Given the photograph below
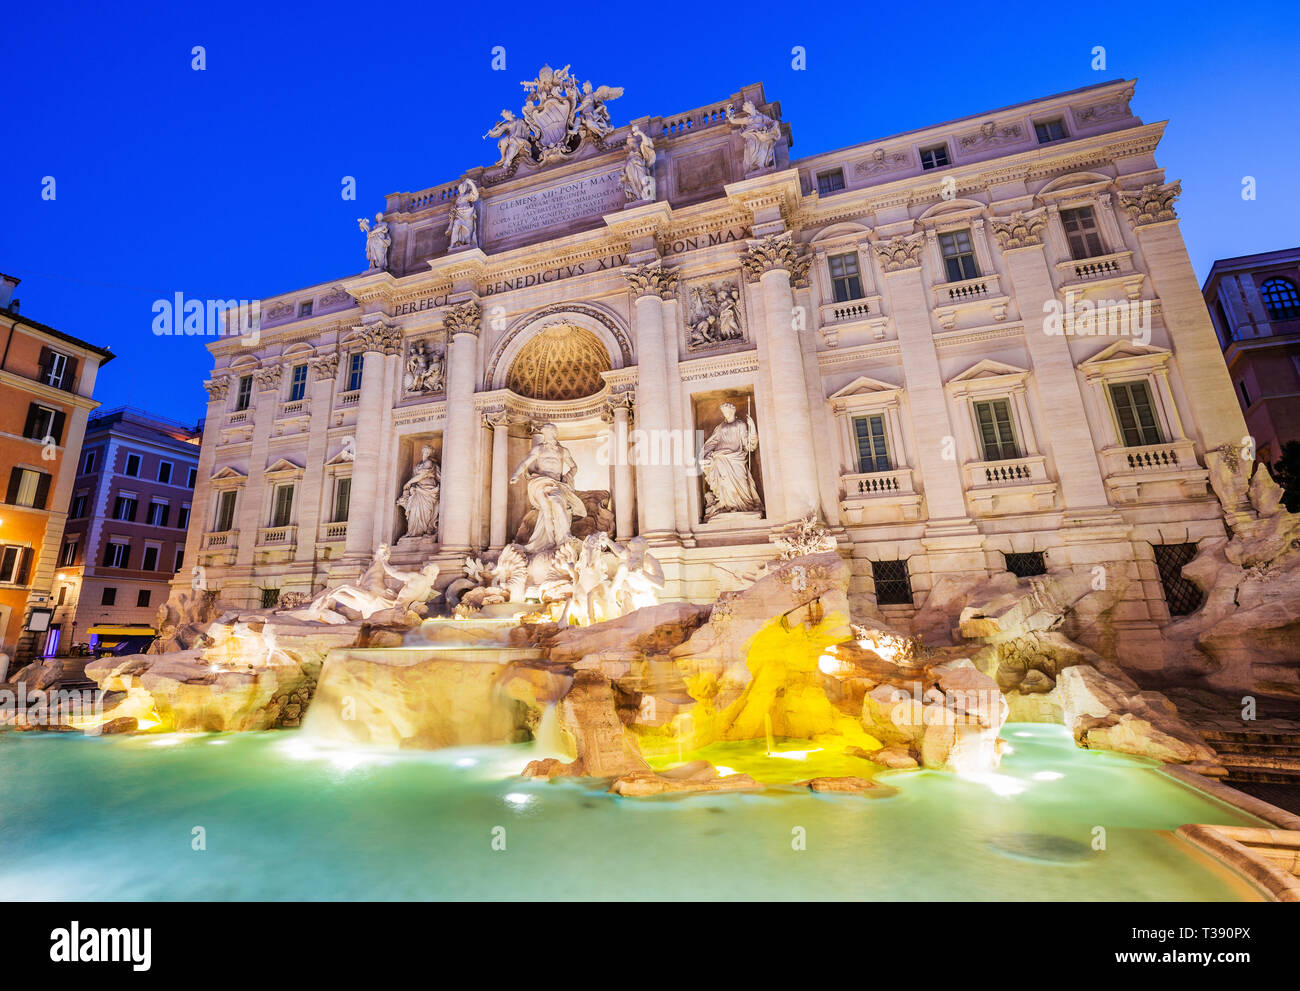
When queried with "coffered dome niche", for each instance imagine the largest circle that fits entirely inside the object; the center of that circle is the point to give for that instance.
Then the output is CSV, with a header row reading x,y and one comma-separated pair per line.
x,y
561,362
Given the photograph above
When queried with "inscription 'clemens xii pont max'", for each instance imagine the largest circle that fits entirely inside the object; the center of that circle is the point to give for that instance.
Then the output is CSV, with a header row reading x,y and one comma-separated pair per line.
x,y
551,207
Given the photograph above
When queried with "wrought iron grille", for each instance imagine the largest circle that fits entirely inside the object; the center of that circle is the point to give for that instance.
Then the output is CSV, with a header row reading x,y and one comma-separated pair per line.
x,y
1181,596
893,585
1029,563
270,598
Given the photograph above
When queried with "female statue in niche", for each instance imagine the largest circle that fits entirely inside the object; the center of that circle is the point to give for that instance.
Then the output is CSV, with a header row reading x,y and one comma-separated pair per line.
x,y
420,496
724,460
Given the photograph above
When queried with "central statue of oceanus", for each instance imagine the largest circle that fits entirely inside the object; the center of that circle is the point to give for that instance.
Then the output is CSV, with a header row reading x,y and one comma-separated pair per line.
x,y
548,471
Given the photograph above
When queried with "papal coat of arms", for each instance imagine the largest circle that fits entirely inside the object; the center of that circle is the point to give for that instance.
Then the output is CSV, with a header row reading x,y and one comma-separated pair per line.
x,y
557,116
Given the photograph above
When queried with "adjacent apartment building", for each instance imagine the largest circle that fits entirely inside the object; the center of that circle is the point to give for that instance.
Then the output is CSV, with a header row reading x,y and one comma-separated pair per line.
x,y
1255,303
127,519
46,381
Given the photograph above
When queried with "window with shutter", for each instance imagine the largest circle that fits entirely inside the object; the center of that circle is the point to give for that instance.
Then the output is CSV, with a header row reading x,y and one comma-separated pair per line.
x,y
1134,413
998,440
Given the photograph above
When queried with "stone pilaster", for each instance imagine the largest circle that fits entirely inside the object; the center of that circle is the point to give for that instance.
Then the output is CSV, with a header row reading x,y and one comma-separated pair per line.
x,y
1195,345
462,324
649,285
314,499
1073,448
266,391
624,516
909,305
378,339
500,424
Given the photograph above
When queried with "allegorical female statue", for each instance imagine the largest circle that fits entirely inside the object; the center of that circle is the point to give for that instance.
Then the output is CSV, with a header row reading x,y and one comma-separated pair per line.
x,y
420,496
377,241
760,134
638,179
549,469
724,459
462,229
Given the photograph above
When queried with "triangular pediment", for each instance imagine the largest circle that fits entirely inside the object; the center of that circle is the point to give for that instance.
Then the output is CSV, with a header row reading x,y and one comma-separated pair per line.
x,y
345,456
986,369
864,385
1126,347
227,473
282,464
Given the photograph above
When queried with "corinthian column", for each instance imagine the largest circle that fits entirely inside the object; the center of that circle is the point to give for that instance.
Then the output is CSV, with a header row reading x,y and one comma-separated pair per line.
x,y
621,409
315,494
377,339
1195,345
500,424
774,262
650,284
462,324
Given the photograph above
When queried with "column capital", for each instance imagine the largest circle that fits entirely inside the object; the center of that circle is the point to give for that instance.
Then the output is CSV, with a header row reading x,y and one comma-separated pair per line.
x,y
218,388
378,336
462,318
1019,230
324,366
777,251
655,279
899,253
268,378
1152,204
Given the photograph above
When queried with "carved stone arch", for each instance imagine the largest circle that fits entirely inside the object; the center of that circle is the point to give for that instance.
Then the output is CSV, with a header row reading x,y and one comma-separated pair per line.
x,y
944,209
1063,185
607,328
835,232
300,350
244,364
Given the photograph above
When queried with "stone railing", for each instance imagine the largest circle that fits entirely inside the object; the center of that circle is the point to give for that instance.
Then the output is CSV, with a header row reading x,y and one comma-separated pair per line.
x,y
349,398
879,497
877,483
218,539
332,532
295,407
967,290
239,416
1097,267
1013,485
849,310
277,536
693,120
1154,471
1012,471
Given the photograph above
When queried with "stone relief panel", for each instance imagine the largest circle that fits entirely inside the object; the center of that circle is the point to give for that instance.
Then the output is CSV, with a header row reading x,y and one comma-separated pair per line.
x,y
702,173
425,368
714,315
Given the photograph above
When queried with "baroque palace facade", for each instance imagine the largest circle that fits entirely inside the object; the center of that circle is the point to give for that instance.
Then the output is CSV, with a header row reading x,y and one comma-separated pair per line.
x,y
873,328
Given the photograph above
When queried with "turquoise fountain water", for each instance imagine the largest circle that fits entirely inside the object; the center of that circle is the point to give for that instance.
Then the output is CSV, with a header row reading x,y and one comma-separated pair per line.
x,y
284,818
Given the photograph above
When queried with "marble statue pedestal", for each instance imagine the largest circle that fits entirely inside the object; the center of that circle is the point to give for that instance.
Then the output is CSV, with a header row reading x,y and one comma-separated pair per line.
x,y
735,527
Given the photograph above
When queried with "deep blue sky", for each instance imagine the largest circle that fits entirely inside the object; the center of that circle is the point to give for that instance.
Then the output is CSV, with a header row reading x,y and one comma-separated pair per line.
x,y
225,183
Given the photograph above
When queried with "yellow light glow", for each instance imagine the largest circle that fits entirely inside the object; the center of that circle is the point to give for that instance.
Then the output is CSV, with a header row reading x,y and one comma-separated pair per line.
x,y
724,771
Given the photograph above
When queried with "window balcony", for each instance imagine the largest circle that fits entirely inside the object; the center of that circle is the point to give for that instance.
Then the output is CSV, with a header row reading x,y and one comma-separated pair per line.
x,y
215,540
295,407
879,497
1010,486
983,292
1154,472
239,416
333,533
277,536
850,310
349,398
1102,275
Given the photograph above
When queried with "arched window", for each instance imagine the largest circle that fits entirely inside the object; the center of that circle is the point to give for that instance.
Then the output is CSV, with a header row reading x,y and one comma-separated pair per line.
x,y
1280,299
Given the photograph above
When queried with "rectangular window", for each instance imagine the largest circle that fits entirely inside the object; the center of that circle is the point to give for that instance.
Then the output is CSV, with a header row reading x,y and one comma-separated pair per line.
x,y
270,598
133,465
244,395
997,439
183,518
180,558
68,556
1181,595
109,596
846,281
124,508
283,508
1245,393
28,487
225,511
1133,410
191,477
14,565
1081,231
78,508
1026,564
342,498
355,366
934,158
116,554
88,462
873,455
150,561
165,472
958,256
1050,130
304,309
158,512
57,369
893,584
298,384
830,181
63,594
43,424
142,598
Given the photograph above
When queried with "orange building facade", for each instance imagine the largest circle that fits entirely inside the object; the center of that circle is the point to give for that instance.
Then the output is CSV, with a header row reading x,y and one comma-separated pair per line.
x,y
46,381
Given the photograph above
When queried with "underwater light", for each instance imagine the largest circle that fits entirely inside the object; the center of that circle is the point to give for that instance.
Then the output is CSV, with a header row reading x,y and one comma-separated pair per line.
x,y
724,771
516,798
794,754
1047,775
466,762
